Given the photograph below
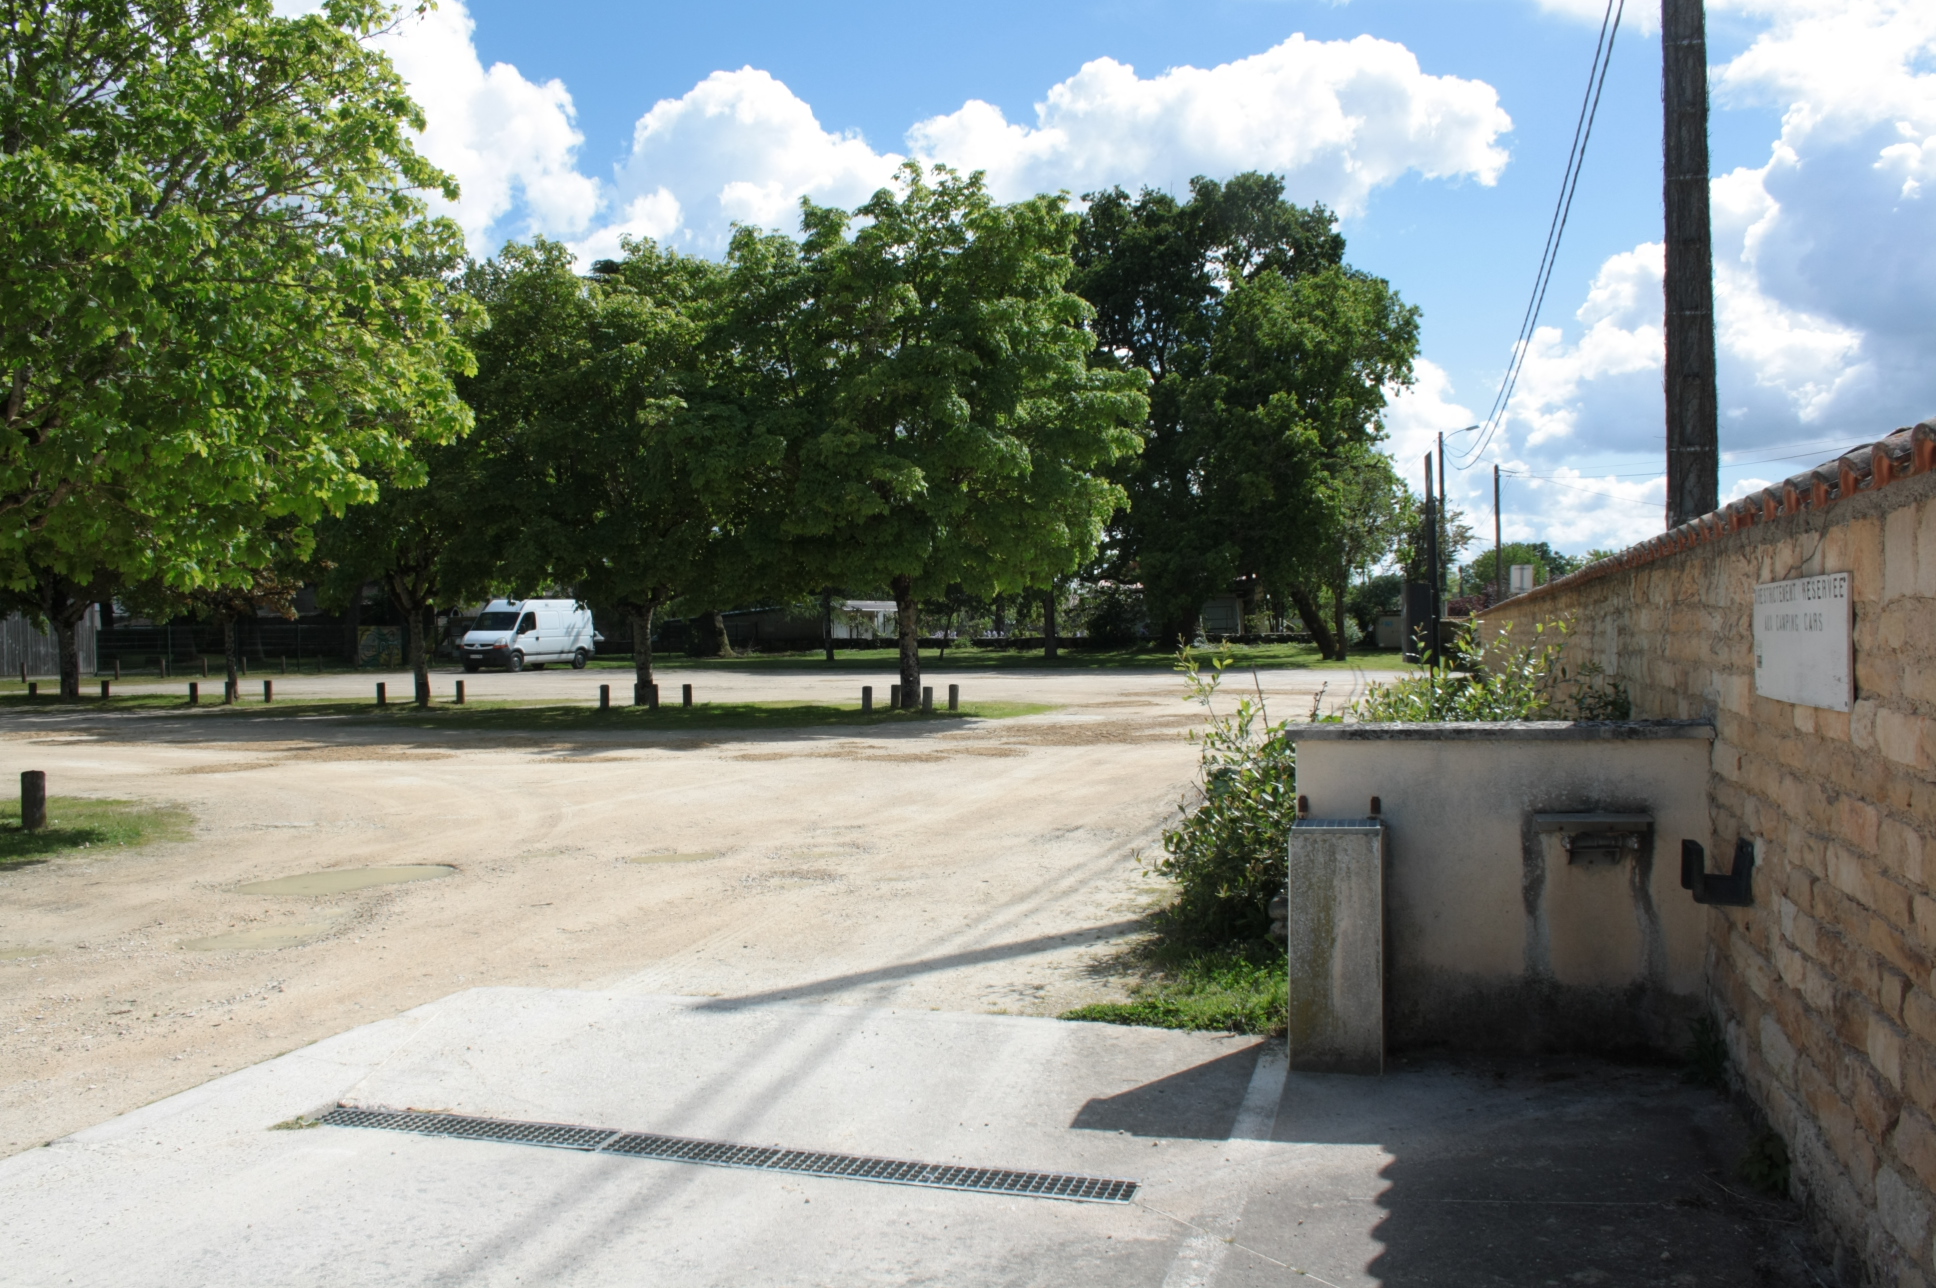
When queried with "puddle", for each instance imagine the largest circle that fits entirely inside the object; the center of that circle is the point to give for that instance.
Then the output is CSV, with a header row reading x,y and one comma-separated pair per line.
x,y
674,858
343,880
263,937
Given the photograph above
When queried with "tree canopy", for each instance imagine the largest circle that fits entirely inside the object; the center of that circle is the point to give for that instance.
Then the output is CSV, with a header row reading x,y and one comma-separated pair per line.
x,y
203,325
1271,360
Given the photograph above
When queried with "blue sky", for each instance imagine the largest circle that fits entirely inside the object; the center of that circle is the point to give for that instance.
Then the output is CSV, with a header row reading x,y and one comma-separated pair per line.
x,y
1438,128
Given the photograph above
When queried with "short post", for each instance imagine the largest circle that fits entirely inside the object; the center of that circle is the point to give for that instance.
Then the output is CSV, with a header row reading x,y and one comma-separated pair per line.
x,y
33,799
33,688
423,692
382,694
285,664
866,699
652,698
105,694
117,668
204,666
893,697
954,697
685,695
638,693
604,697
460,693
228,691
23,672
194,694
268,690
927,698
164,666
243,663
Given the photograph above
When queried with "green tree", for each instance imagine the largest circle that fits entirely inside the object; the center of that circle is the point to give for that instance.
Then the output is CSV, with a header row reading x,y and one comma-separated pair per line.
x,y
202,329
945,427
1547,563
1271,360
1365,511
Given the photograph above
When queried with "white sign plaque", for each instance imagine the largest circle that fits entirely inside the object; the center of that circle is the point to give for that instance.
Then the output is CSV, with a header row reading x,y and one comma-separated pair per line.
x,y
1803,642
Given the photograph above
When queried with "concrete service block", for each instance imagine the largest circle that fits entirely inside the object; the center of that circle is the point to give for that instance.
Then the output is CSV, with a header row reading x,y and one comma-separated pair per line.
x,y
1337,946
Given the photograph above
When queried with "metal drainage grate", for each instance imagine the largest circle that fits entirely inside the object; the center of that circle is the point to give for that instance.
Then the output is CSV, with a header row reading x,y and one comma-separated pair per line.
x,y
678,1149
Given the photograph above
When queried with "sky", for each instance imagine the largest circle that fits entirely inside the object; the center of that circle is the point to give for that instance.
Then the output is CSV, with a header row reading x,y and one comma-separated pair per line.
x,y
1437,130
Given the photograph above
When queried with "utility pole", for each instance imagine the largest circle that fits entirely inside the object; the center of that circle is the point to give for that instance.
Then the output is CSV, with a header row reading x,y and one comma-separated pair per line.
x,y
1432,560
1445,531
1498,547
1693,448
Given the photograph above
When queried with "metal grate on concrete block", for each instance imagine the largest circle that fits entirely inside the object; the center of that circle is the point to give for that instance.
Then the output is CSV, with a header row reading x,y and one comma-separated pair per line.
x,y
712,1153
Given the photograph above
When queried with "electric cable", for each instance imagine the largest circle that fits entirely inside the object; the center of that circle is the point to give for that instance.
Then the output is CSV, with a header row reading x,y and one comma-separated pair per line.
x,y
1596,80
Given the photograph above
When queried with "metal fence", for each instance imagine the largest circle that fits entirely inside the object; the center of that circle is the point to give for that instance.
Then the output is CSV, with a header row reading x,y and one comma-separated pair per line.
x,y
144,646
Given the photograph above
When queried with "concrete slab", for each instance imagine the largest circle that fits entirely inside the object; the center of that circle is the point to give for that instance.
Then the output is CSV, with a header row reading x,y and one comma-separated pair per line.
x,y
1426,1176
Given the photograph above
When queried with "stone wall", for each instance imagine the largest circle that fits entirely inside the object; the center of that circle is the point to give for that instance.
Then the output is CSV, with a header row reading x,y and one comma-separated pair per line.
x,y
1824,987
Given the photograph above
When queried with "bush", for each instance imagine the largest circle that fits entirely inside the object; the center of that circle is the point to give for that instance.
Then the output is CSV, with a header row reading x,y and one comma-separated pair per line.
x,y
1227,852
1234,991
1115,616
1506,681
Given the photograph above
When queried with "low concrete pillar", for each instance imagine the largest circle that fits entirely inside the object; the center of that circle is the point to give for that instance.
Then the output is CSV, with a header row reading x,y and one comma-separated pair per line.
x,y
1336,928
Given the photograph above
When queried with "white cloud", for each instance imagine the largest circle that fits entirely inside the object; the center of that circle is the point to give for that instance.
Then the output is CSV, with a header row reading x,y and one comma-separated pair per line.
x,y
741,147
507,141
1337,118
1642,16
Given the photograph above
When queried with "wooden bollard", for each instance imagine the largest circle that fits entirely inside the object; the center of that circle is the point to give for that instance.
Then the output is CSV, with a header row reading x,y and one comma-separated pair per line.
x,y
866,699
422,689
954,697
652,699
204,667
228,692
460,693
268,690
23,672
638,693
382,694
117,668
893,697
685,695
927,698
104,690
164,667
33,688
285,664
604,697
33,799
194,694
242,665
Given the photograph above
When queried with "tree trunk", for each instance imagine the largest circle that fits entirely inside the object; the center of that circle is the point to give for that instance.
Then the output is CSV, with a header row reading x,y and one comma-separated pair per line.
x,y
709,638
907,619
1048,624
1180,629
355,624
827,622
419,655
70,657
1337,615
642,648
1001,616
233,678
1312,615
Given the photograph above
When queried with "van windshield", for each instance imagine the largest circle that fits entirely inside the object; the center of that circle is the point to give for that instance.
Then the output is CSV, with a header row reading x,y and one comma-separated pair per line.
x,y
494,621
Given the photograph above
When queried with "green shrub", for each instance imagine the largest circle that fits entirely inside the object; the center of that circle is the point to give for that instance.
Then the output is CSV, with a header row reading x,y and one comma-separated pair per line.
x,y
1226,853
1504,680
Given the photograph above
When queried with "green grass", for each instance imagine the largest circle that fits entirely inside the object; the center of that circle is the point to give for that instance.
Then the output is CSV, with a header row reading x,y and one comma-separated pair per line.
x,y
1229,991
543,717
968,659
75,823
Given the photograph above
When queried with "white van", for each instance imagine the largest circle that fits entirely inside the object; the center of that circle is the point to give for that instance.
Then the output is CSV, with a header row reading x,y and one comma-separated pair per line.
x,y
516,633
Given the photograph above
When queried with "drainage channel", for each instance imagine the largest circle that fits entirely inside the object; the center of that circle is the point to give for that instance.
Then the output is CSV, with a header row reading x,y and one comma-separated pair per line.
x,y
713,1153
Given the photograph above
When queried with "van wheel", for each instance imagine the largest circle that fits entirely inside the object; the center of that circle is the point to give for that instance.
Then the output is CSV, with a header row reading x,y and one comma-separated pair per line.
x,y
578,660
471,668
517,659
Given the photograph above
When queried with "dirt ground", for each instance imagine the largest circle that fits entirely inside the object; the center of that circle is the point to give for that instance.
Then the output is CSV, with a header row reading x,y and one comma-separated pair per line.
x,y
994,866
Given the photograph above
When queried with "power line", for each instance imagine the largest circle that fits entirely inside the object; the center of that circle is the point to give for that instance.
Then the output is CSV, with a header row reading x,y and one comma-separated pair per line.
x,y
1809,454
1596,79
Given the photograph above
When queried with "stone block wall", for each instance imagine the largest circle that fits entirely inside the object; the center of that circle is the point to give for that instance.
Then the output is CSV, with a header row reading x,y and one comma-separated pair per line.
x,y
1825,987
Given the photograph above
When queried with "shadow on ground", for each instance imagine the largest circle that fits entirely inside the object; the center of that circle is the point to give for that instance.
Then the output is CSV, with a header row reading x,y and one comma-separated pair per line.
x,y
1560,1172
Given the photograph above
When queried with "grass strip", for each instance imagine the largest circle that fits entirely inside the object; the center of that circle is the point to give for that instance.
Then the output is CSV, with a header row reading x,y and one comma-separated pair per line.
x,y
1228,991
84,823
969,660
